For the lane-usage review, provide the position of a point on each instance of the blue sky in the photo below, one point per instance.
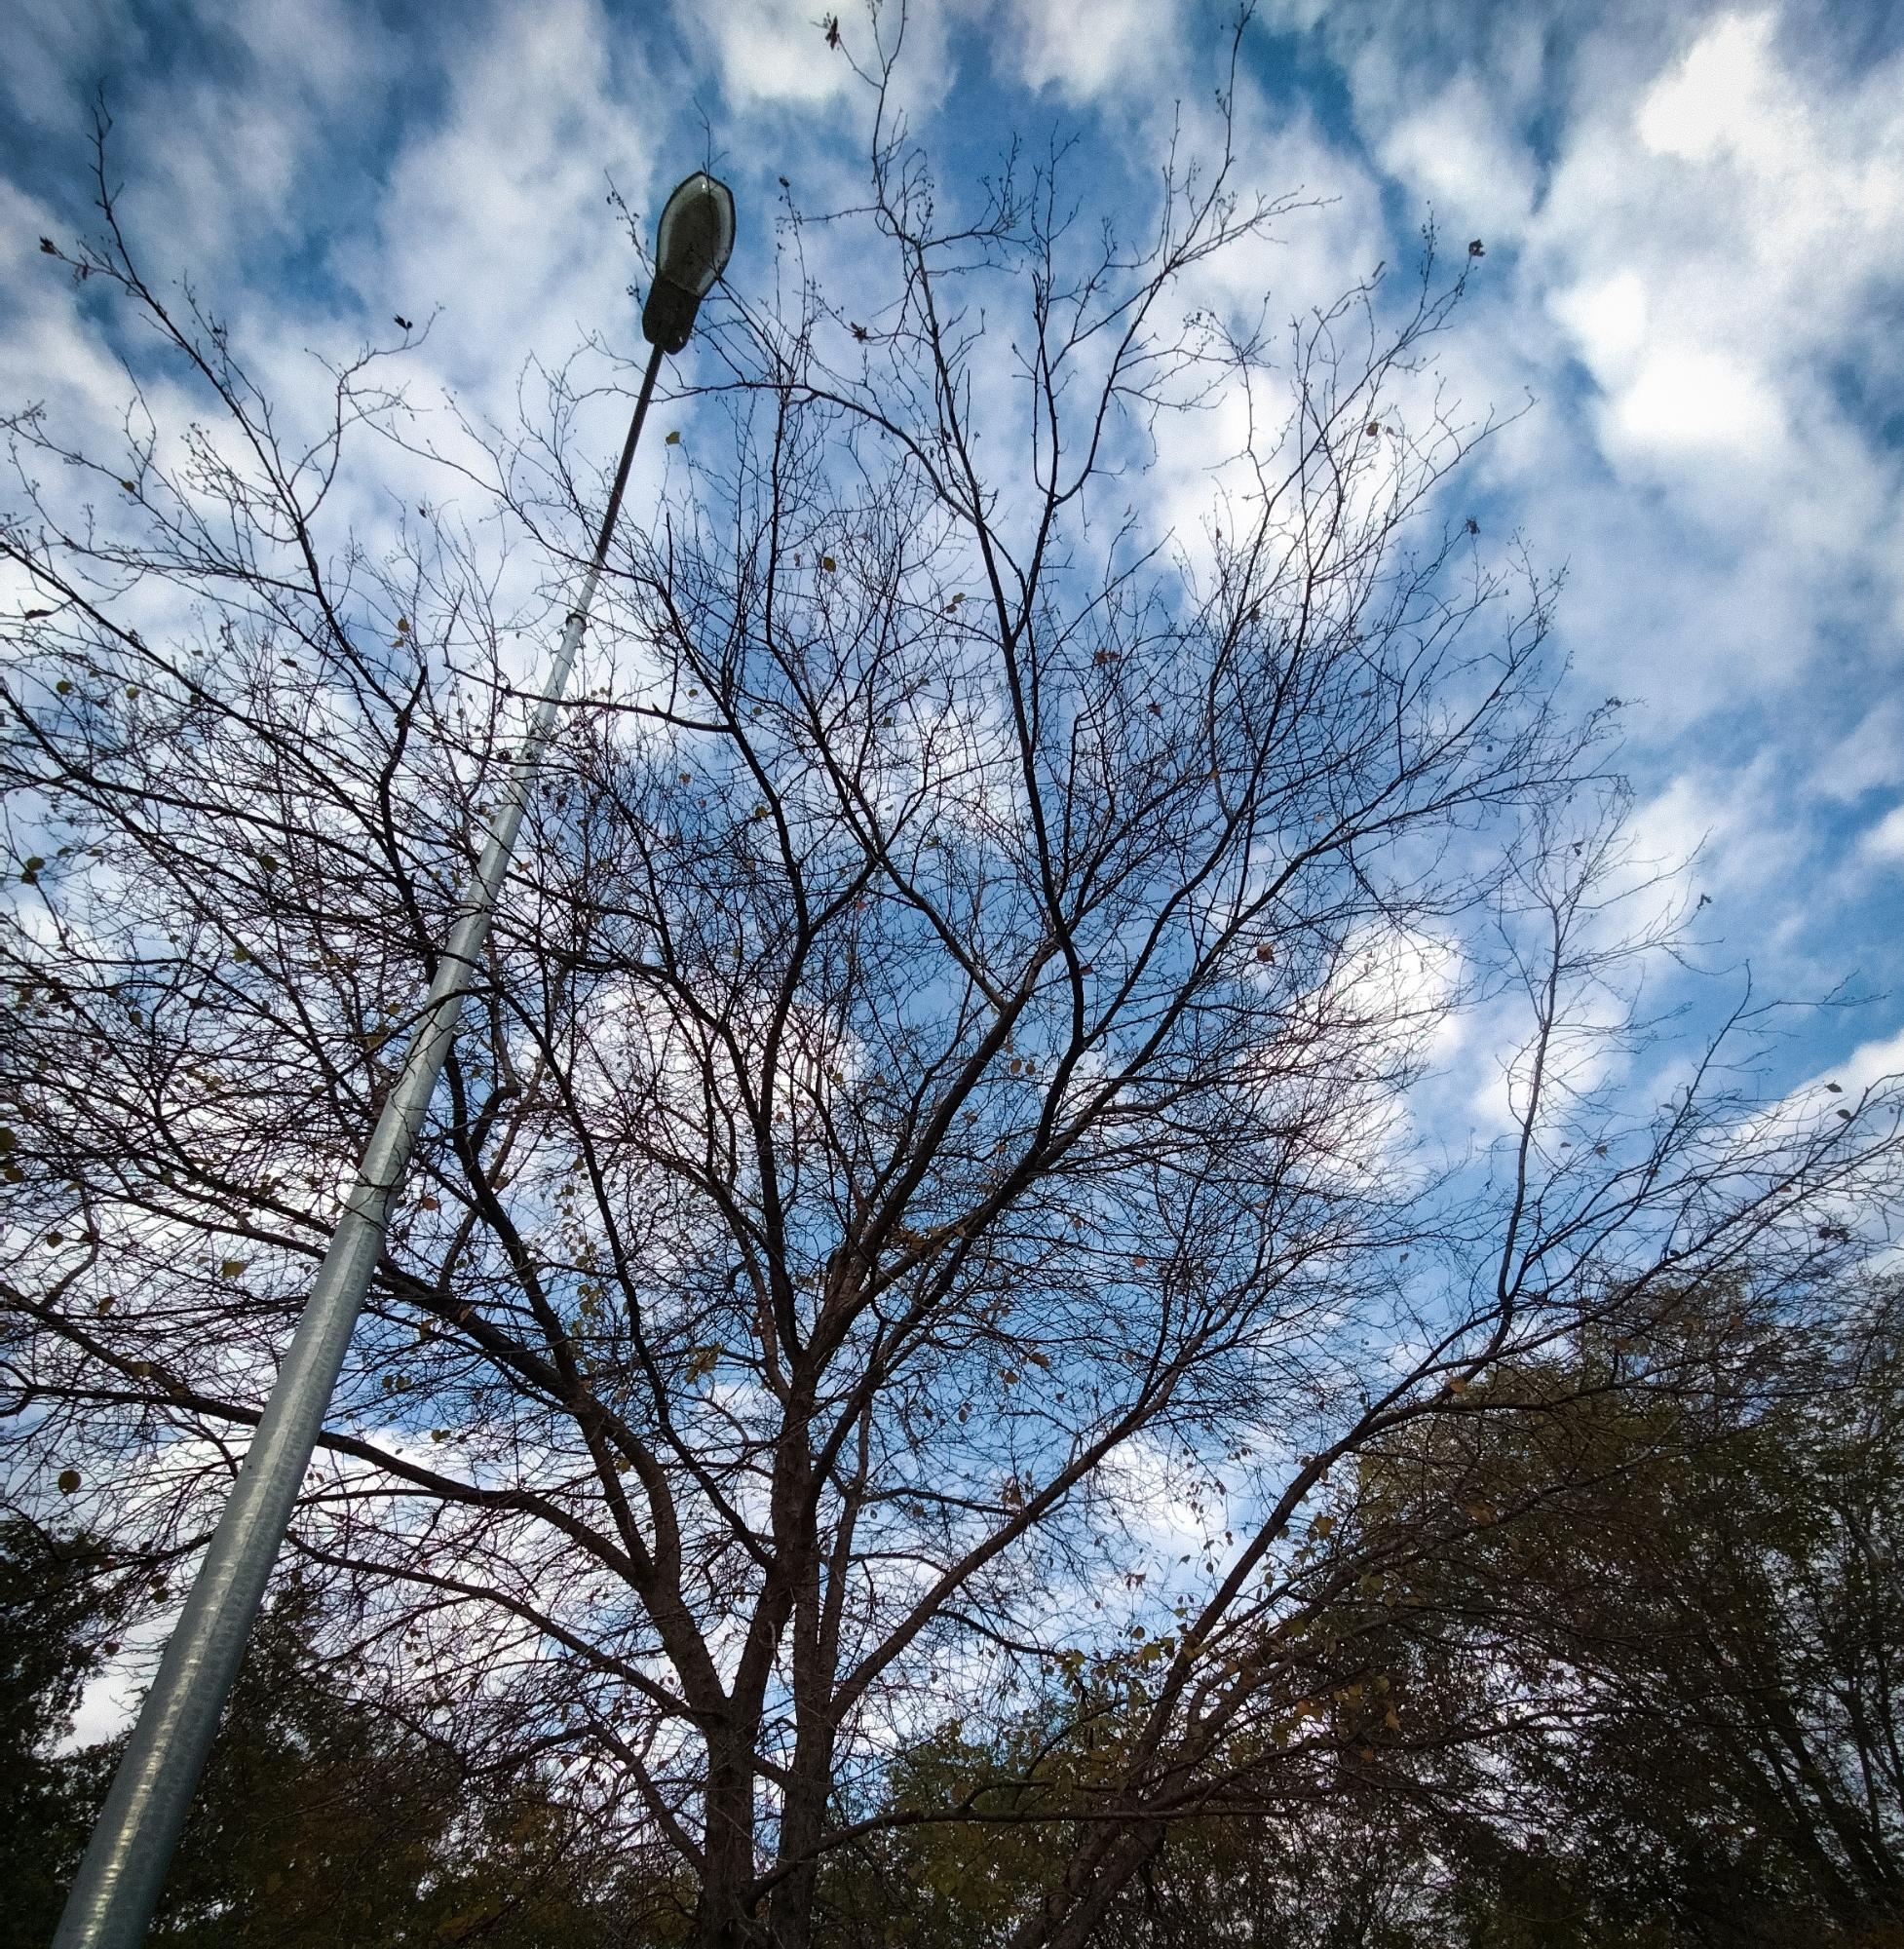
(1693, 221)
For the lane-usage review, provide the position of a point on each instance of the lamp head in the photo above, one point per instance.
(692, 246)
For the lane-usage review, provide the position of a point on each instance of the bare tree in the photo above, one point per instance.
(940, 1087)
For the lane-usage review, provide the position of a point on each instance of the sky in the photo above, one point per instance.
(1694, 227)
(1692, 221)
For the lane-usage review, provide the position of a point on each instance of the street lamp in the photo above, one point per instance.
(112, 1899)
(692, 244)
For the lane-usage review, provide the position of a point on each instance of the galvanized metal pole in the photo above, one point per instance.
(112, 1899)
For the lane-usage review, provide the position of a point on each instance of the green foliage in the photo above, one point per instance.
(1666, 1563)
(324, 1821)
(321, 1820)
(53, 1609)
(965, 1880)
(1638, 1605)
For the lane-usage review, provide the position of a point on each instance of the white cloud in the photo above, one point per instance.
(774, 51)
(1884, 841)
(1084, 52)
(1710, 230)
(46, 354)
(774, 55)
(1867, 757)
(1461, 152)
(1608, 317)
(498, 214)
(1721, 98)
(45, 46)
(1709, 818)
(1875, 1066)
(1685, 399)
(1710, 244)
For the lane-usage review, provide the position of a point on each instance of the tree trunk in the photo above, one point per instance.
(723, 1915)
(802, 1825)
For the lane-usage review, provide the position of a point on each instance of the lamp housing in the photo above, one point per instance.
(692, 245)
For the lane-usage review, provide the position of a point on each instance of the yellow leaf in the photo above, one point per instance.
(827, 562)
(673, 439)
(232, 1267)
